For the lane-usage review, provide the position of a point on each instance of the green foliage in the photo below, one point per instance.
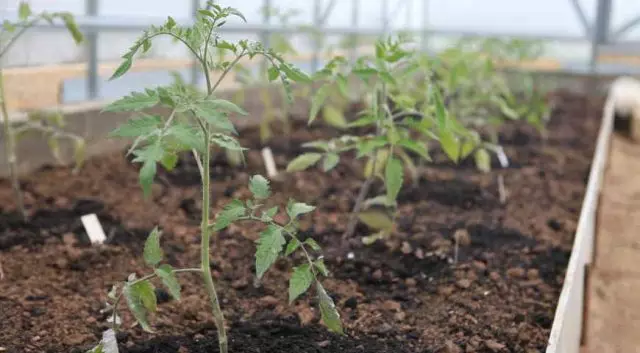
(404, 113)
(198, 122)
(50, 126)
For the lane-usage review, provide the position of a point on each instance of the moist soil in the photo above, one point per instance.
(402, 294)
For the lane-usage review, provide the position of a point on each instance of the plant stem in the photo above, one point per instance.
(218, 315)
(364, 190)
(10, 151)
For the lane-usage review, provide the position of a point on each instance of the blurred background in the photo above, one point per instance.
(579, 36)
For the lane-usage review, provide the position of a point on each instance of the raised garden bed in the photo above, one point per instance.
(402, 295)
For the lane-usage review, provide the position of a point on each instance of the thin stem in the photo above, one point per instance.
(10, 150)
(225, 72)
(15, 38)
(218, 315)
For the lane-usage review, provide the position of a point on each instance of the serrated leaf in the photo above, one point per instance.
(419, 148)
(135, 101)
(226, 141)
(312, 244)
(168, 277)
(319, 264)
(293, 245)
(169, 161)
(294, 209)
(328, 311)
(269, 248)
(140, 126)
(376, 219)
(364, 121)
(365, 73)
(300, 281)
(303, 162)
(267, 216)
(72, 27)
(259, 187)
(294, 74)
(450, 144)
(147, 174)
(317, 102)
(236, 13)
(330, 161)
(334, 116)
(207, 111)
(231, 213)
(394, 177)
(122, 69)
(187, 136)
(8, 26)
(227, 106)
(273, 73)
(483, 160)
(140, 297)
(24, 10)
(153, 253)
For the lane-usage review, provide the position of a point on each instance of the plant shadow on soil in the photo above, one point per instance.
(401, 294)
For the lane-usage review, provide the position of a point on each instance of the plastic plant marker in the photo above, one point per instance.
(269, 162)
(93, 228)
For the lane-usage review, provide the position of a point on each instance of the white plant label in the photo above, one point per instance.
(502, 157)
(269, 162)
(93, 228)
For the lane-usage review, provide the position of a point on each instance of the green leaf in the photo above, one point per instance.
(293, 245)
(364, 121)
(153, 254)
(313, 244)
(8, 26)
(140, 126)
(147, 174)
(141, 299)
(209, 112)
(269, 248)
(365, 73)
(170, 23)
(393, 178)
(227, 106)
(376, 219)
(236, 13)
(318, 101)
(419, 148)
(231, 213)
(294, 73)
(24, 10)
(319, 264)
(331, 160)
(328, 311)
(135, 101)
(483, 160)
(450, 144)
(168, 277)
(334, 116)
(303, 162)
(187, 136)
(72, 27)
(294, 209)
(259, 187)
(169, 161)
(226, 141)
(267, 216)
(273, 73)
(300, 281)
(122, 69)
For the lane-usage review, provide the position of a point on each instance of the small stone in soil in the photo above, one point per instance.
(516, 272)
(33, 298)
(554, 224)
(450, 347)
(410, 282)
(351, 303)
(324, 344)
(464, 283)
(494, 346)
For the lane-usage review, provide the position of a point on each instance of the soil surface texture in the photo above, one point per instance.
(403, 294)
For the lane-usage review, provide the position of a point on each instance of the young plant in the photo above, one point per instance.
(50, 125)
(197, 121)
(395, 134)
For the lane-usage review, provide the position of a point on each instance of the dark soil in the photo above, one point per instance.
(404, 294)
